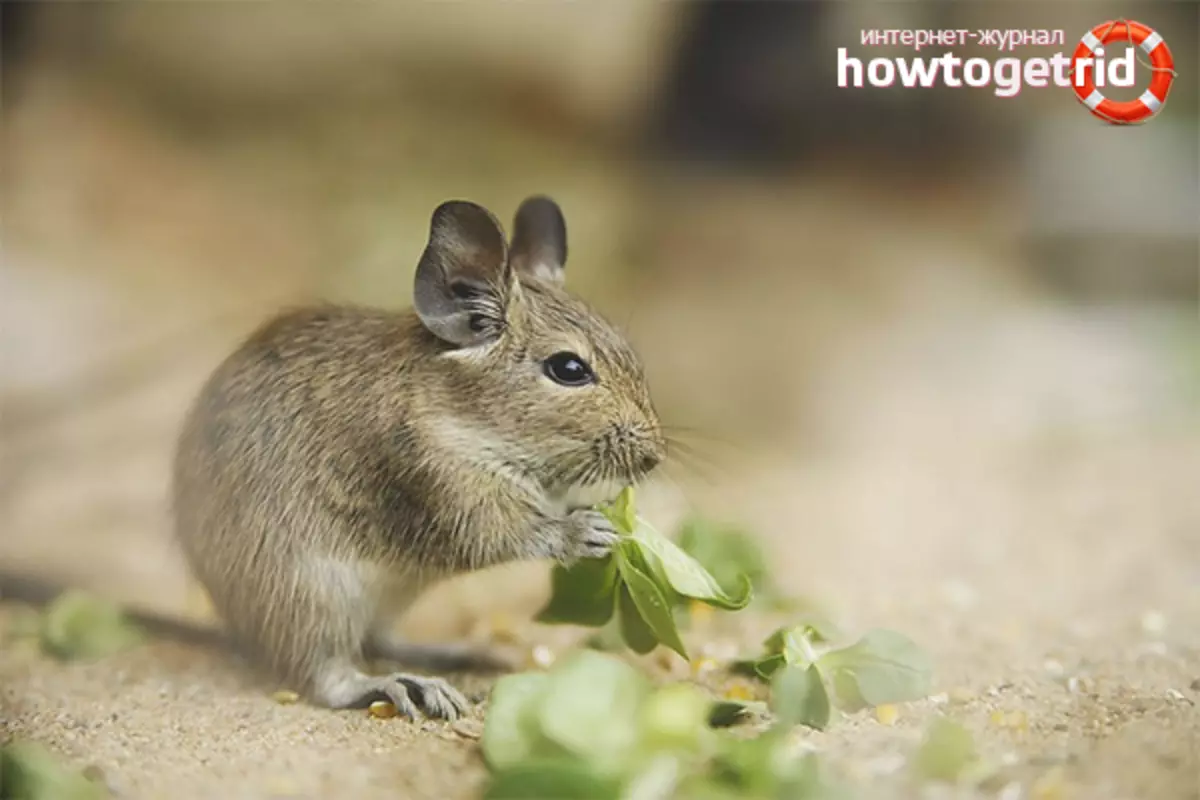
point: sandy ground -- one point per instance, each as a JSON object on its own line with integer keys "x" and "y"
{"x": 1009, "y": 482}
{"x": 1087, "y": 575}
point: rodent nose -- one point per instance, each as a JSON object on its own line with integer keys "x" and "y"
{"x": 649, "y": 461}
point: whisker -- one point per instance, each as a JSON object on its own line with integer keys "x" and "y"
{"x": 663, "y": 473}
{"x": 685, "y": 452}
{"x": 705, "y": 473}
{"x": 701, "y": 436}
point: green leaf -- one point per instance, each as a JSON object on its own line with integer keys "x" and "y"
{"x": 749, "y": 765}
{"x": 591, "y": 708}
{"x": 882, "y": 667}
{"x": 798, "y": 644}
{"x": 814, "y": 629}
{"x": 797, "y": 647}
{"x": 510, "y": 732}
{"x": 727, "y": 553}
{"x": 807, "y": 780}
{"x": 704, "y": 787}
{"x": 610, "y": 637}
{"x": 681, "y": 572}
{"x": 79, "y": 626}
{"x": 621, "y": 512}
{"x": 946, "y": 753}
{"x": 727, "y": 713}
{"x": 28, "y": 771}
{"x": 551, "y": 780}
{"x": 658, "y": 780}
{"x": 652, "y": 605}
{"x": 582, "y": 594}
{"x": 675, "y": 718}
{"x": 637, "y": 634}
{"x": 767, "y": 766}
{"x": 767, "y": 667}
{"x": 643, "y": 583}
{"x": 798, "y": 696}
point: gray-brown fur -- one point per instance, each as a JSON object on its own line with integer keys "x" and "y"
{"x": 343, "y": 458}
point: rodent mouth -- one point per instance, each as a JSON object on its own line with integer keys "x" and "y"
{"x": 593, "y": 494}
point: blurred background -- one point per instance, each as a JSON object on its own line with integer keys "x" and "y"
{"x": 938, "y": 349}
{"x": 929, "y": 344}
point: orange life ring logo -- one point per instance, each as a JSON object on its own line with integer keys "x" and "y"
{"x": 1087, "y": 64}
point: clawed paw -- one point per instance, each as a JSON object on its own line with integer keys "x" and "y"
{"x": 595, "y": 535}
{"x": 410, "y": 694}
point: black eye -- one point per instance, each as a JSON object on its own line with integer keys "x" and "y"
{"x": 568, "y": 369}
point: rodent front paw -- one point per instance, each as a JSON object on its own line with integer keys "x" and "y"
{"x": 593, "y": 535}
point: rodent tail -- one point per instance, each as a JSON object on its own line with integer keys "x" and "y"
{"x": 40, "y": 592}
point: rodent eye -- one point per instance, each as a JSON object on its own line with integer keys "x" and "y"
{"x": 568, "y": 369}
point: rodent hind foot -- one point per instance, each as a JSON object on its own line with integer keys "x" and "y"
{"x": 433, "y": 697}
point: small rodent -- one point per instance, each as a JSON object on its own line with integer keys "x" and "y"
{"x": 343, "y": 459}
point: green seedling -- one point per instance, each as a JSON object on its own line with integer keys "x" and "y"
{"x": 730, "y": 555}
{"x": 947, "y": 754}
{"x": 766, "y": 766}
{"x": 77, "y": 626}
{"x": 591, "y": 724}
{"x": 882, "y": 667}
{"x": 809, "y": 677}
{"x": 29, "y": 772}
{"x": 640, "y": 585}
{"x": 595, "y": 727}
{"x": 798, "y": 697}
{"x": 799, "y": 644}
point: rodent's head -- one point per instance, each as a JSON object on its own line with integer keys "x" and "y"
{"x": 536, "y": 379}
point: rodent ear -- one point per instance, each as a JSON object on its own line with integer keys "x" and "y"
{"x": 462, "y": 284}
{"x": 539, "y": 243}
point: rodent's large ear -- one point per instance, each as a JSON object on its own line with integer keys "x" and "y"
{"x": 463, "y": 281}
{"x": 539, "y": 243}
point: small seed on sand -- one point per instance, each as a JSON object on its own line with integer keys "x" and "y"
{"x": 1013, "y": 720}
{"x": 887, "y": 714}
{"x": 285, "y": 697}
{"x": 382, "y": 709}
{"x": 739, "y": 691}
{"x": 542, "y": 656}
{"x": 701, "y": 613}
{"x": 468, "y": 729}
{"x": 961, "y": 695}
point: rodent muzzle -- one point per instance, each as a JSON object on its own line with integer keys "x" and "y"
{"x": 648, "y": 462}
{"x": 632, "y": 450}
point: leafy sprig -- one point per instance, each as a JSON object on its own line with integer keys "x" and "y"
{"x": 810, "y": 677}
{"x": 641, "y": 583}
